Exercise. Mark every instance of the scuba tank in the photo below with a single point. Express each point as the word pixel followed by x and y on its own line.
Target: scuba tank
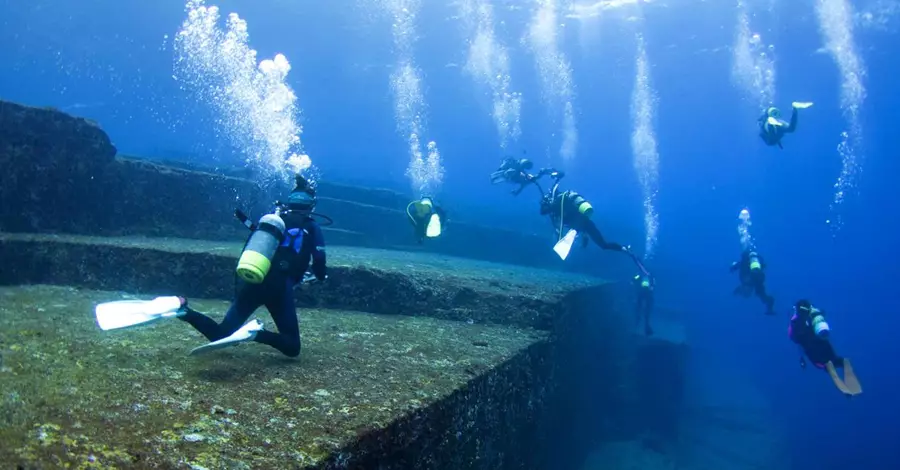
pixel 256 259
pixel 584 207
pixel 755 264
pixel 818 323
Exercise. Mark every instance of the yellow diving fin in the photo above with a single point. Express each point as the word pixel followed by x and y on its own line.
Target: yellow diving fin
pixel 836 378
pixel 564 245
pixel 850 380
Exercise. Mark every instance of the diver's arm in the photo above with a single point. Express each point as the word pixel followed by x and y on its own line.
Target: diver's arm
pixel 734 266
pixel 318 251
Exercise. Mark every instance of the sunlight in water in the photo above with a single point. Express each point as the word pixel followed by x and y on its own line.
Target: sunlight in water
pixel 744 229
pixel 753 64
pixel 836 24
pixel 488 64
pixel 257 108
pixel 643 144
pixel 409 102
pixel 554 72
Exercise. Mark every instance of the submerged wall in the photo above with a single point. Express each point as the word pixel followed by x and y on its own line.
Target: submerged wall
pixel 61 174
pixel 544 407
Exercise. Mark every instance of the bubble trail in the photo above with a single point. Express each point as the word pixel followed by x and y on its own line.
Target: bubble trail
pixel 744 229
pixel 643 144
pixel 753 63
pixel 836 25
pixel 256 107
pixel 488 65
pixel 555 73
pixel 425 172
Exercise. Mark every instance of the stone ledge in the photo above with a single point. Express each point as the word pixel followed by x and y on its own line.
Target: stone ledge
pixel 404 392
pixel 361 279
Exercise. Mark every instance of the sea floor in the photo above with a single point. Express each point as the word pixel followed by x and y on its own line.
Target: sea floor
pixel 74 396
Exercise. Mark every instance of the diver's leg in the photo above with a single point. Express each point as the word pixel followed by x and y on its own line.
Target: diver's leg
pixel 246 302
pixel 793 125
pixel 767 299
pixel 591 229
pixel 638 309
pixel 281 306
pixel 648 309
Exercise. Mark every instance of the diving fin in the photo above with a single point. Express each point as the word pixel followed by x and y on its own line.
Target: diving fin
pixel 801 104
pixel 850 380
pixel 564 245
pixel 434 226
pixel 774 122
pixel 837 379
pixel 128 313
pixel 245 333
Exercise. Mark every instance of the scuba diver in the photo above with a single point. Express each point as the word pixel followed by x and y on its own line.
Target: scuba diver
pixel 752 274
pixel 810 331
pixel 427 218
pixel 274 259
pixel 644 286
pixel 567 209
pixel 514 171
pixel 772 129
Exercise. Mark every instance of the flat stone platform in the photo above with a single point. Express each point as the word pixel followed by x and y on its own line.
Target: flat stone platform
pixel 361 279
pixel 403 391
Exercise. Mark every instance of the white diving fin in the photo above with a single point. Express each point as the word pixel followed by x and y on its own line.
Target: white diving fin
pixel 245 333
pixel 127 313
pixel 564 245
pixel 434 226
pixel 774 122
pixel 802 104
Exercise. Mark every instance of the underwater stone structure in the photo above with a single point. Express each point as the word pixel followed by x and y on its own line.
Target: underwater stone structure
pixel 61 174
pixel 466 387
pixel 410 360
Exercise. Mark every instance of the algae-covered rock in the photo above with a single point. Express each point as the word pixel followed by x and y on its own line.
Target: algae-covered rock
pixel 366 388
pixel 371 280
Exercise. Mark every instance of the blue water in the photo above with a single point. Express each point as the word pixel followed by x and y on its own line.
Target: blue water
pixel 112 61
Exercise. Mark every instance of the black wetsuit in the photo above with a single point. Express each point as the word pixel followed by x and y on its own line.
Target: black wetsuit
pixel 753 280
pixel 817 349
pixel 772 135
pixel 644 301
pixel 562 209
pixel 303 242
pixel 515 172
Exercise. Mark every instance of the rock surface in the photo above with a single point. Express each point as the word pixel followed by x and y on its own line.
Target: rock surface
pixel 370 280
pixel 406 392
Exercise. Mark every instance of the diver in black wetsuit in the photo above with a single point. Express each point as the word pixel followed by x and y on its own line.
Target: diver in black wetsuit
pixel 427 217
pixel 514 171
pixel 567 209
pixel 809 330
pixel 752 274
pixel 644 286
pixel 772 129
pixel 302 241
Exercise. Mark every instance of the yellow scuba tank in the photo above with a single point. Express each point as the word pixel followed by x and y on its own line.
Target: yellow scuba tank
pixel 584 207
pixel 755 264
pixel 256 259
